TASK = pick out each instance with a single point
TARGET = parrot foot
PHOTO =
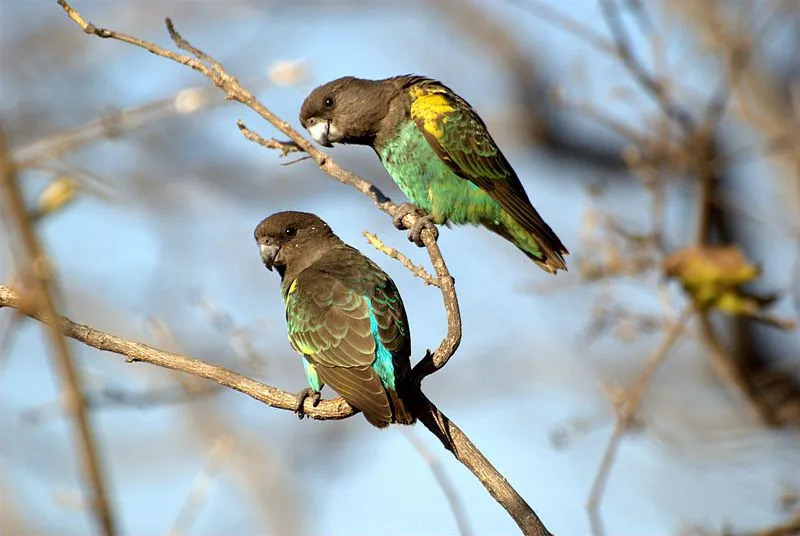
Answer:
(422, 223)
(403, 210)
(301, 399)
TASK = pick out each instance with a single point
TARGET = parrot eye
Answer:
(290, 231)
(328, 102)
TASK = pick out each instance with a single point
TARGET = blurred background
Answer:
(153, 242)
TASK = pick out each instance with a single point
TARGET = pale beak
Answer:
(268, 254)
(320, 131)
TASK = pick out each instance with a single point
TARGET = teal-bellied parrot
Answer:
(344, 316)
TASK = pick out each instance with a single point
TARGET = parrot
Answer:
(438, 150)
(344, 317)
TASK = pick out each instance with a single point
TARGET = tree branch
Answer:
(285, 147)
(216, 73)
(448, 488)
(135, 351)
(185, 101)
(37, 274)
(418, 271)
(443, 428)
(450, 435)
(655, 87)
(626, 411)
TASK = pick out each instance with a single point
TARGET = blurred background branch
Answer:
(36, 275)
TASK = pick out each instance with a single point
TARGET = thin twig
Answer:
(626, 411)
(452, 438)
(558, 19)
(285, 147)
(198, 492)
(656, 88)
(418, 271)
(185, 101)
(109, 398)
(448, 488)
(39, 278)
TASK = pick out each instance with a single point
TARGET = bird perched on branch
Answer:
(439, 152)
(344, 317)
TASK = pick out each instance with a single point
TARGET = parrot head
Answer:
(292, 239)
(346, 110)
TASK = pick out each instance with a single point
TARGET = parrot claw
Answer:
(422, 223)
(301, 400)
(403, 210)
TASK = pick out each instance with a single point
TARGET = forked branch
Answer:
(450, 435)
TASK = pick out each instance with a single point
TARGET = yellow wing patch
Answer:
(301, 347)
(292, 287)
(429, 108)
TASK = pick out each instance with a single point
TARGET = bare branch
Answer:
(452, 438)
(448, 488)
(626, 410)
(37, 275)
(285, 147)
(418, 271)
(448, 433)
(185, 101)
(134, 351)
(656, 88)
(198, 493)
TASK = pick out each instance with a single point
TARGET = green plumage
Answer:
(430, 184)
(440, 153)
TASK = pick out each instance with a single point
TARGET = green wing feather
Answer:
(329, 323)
(387, 307)
(460, 138)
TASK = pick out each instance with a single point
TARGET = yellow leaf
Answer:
(57, 194)
(723, 266)
(736, 304)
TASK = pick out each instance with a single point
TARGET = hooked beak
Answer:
(268, 254)
(319, 130)
(323, 131)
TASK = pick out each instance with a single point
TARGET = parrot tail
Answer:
(542, 247)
